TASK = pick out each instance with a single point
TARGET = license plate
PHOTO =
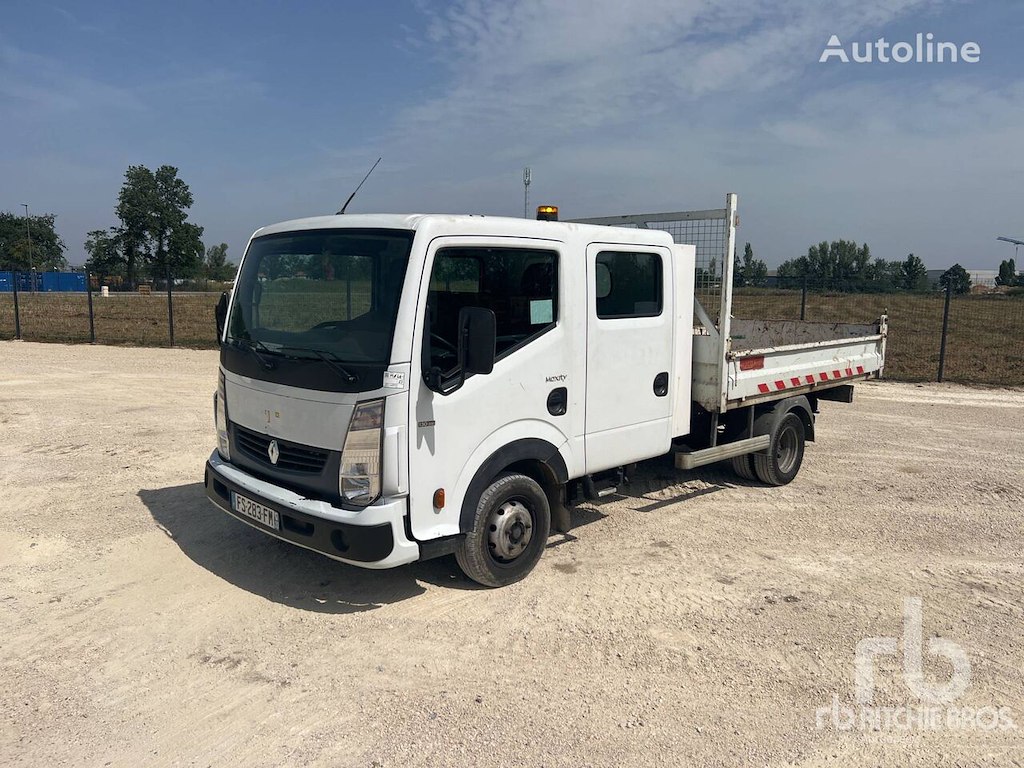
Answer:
(255, 511)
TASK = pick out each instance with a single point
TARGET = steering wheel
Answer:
(442, 342)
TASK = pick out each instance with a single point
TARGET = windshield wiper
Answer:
(255, 346)
(328, 358)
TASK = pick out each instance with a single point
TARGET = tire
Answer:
(785, 452)
(510, 530)
(744, 466)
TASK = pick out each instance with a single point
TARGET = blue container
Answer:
(60, 281)
(42, 281)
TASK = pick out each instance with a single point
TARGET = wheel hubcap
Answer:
(509, 530)
(785, 455)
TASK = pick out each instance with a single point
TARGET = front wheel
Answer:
(510, 530)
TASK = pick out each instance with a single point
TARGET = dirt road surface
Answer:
(695, 620)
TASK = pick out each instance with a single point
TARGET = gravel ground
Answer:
(694, 620)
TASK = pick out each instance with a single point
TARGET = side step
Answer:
(603, 486)
(694, 459)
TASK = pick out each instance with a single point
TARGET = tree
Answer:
(844, 265)
(883, 275)
(134, 206)
(839, 264)
(750, 271)
(956, 280)
(791, 273)
(217, 266)
(184, 251)
(104, 249)
(38, 245)
(1007, 273)
(177, 243)
(913, 274)
(155, 231)
(861, 260)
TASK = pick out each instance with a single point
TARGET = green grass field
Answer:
(985, 345)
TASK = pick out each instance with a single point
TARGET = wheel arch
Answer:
(799, 405)
(536, 458)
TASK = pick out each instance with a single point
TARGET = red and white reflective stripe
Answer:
(796, 381)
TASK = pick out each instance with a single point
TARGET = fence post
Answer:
(170, 306)
(17, 311)
(803, 300)
(945, 332)
(92, 322)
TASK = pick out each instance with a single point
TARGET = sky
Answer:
(275, 110)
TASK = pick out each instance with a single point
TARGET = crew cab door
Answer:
(629, 354)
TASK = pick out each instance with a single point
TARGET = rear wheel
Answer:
(510, 530)
(785, 454)
(744, 466)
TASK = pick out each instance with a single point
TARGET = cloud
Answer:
(579, 65)
(669, 104)
(38, 87)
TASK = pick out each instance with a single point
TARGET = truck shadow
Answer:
(282, 572)
(290, 575)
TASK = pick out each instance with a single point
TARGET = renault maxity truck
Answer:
(398, 387)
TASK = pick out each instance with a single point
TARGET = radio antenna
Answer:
(357, 188)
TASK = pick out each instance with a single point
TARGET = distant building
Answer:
(985, 277)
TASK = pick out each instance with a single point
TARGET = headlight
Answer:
(220, 411)
(359, 479)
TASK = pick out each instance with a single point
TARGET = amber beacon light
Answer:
(547, 213)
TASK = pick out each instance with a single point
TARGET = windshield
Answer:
(327, 294)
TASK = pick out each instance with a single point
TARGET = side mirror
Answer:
(221, 313)
(477, 340)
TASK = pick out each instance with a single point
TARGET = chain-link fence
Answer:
(983, 340)
(979, 341)
(152, 316)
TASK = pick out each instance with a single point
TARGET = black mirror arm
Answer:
(432, 378)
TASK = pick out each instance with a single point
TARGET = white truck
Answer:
(395, 388)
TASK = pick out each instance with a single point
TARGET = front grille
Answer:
(293, 457)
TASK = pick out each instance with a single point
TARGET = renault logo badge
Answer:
(273, 452)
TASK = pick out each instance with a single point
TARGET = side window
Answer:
(455, 274)
(520, 285)
(628, 284)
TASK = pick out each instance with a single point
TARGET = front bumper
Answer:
(373, 537)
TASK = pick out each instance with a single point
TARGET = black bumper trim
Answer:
(360, 543)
